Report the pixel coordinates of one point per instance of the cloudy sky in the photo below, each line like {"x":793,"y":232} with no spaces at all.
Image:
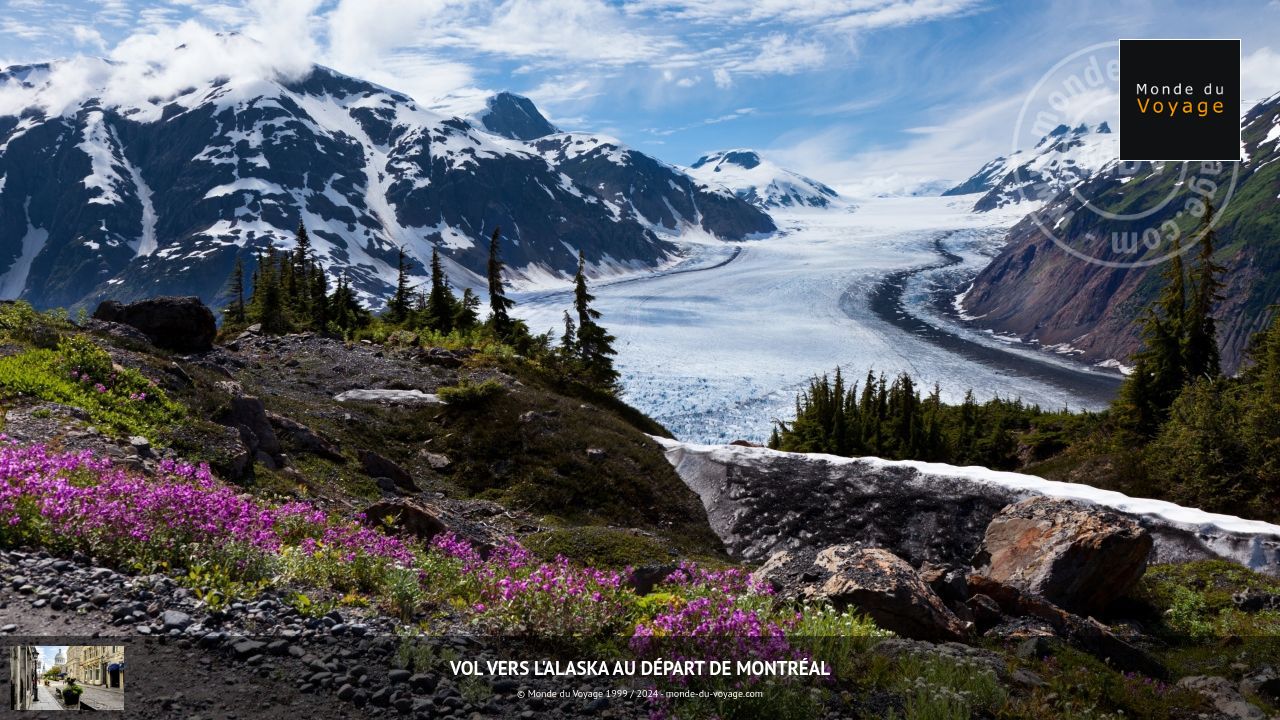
{"x":869,"y":95}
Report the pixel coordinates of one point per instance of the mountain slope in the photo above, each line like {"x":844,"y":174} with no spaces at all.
{"x":1037,"y":291}
{"x":760,"y":182}
{"x":126,"y":199}
{"x":1061,"y":159}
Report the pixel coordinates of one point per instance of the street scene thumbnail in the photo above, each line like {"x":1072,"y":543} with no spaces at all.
{"x":66,"y":677}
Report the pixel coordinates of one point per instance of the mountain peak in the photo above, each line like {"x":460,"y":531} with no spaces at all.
{"x":756,"y":180}
{"x":516,"y":117}
{"x":745,"y":159}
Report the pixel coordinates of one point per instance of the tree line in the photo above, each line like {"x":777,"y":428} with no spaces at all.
{"x":289,"y":292}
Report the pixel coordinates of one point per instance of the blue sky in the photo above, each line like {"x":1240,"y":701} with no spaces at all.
{"x":869,"y":95}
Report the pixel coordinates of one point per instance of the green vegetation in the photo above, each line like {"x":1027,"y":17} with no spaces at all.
{"x":81,"y":374}
{"x":470,"y":395}
{"x":599,"y":546}
{"x":893,"y":420}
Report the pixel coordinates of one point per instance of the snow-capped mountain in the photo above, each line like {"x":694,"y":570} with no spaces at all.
{"x":124,"y":197}
{"x":1063,"y":158}
{"x":761,"y":182}
{"x":514,"y":116}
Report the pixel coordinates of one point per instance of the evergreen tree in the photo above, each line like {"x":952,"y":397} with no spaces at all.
{"x":499,"y":304}
{"x":269,"y":308}
{"x":595,"y":344}
{"x":319,"y":301}
{"x":399,"y":305}
{"x":345,"y":310}
{"x":1201,"y":355}
{"x":467,"y":315}
{"x":299,"y":273}
{"x":1149,"y":394}
{"x":569,"y":340}
{"x":236,"y":313}
{"x":441,"y":305}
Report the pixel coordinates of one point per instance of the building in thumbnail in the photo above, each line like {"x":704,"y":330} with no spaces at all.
{"x":24,"y":676}
{"x":101,"y":665}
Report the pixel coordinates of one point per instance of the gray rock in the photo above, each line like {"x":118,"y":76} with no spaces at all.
{"x":872,"y":580}
{"x":394,"y":397}
{"x":175,"y":620}
{"x":1224,"y":696}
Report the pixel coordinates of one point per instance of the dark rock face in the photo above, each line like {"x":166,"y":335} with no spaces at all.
{"x":1080,"y":557}
{"x":872,"y":580}
{"x":761,"y":501}
{"x":635,"y":184}
{"x":181,"y":324}
{"x":1085,"y":633}
{"x":515,"y":116}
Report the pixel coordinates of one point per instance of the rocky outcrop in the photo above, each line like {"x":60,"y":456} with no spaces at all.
{"x":761,"y":501}
{"x":873,"y":581}
{"x":1085,"y":633}
{"x":377,"y":466}
{"x":1224,"y":697}
{"x":181,"y":324}
{"x":1077,"y":556}
{"x":407,"y":517}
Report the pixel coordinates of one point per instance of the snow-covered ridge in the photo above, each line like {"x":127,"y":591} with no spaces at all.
{"x":1060,"y":160}
{"x":755,"y":179}
{"x":728,"y":477}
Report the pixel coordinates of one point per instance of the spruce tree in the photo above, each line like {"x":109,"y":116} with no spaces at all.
{"x":236,"y":313}
{"x":441,"y":305}
{"x":569,"y":340}
{"x":1149,"y":393}
{"x":319,"y":300}
{"x":271,"y":306}
{"x":399,"y":305}
{"x":499,"y":304}
{"x":467,"y":316}
{"x":1201,"y":355}
{"x":595,"y":344}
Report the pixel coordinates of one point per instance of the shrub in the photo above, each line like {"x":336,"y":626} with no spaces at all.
{"x":467,"y":394}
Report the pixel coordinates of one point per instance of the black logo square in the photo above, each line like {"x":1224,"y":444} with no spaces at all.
{"x":1180,"y":100}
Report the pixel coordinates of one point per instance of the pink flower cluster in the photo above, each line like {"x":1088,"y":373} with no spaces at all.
{"x":80,"y":499}
{"x":729,"y":581}
{"x":517,"y":594}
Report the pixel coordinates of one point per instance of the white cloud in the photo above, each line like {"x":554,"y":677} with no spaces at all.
{"x":89,"y":37}
{"x":782,"y":55}
{"x":1259,"y":76}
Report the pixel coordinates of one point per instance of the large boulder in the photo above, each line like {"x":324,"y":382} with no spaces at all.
{"x":1078,"y":556}
{"x":249,"y":416}
{"x":181,"y":324}
{"x":377,"y":466}
{"x":871,"y":580}
{"x":406,"y":516}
